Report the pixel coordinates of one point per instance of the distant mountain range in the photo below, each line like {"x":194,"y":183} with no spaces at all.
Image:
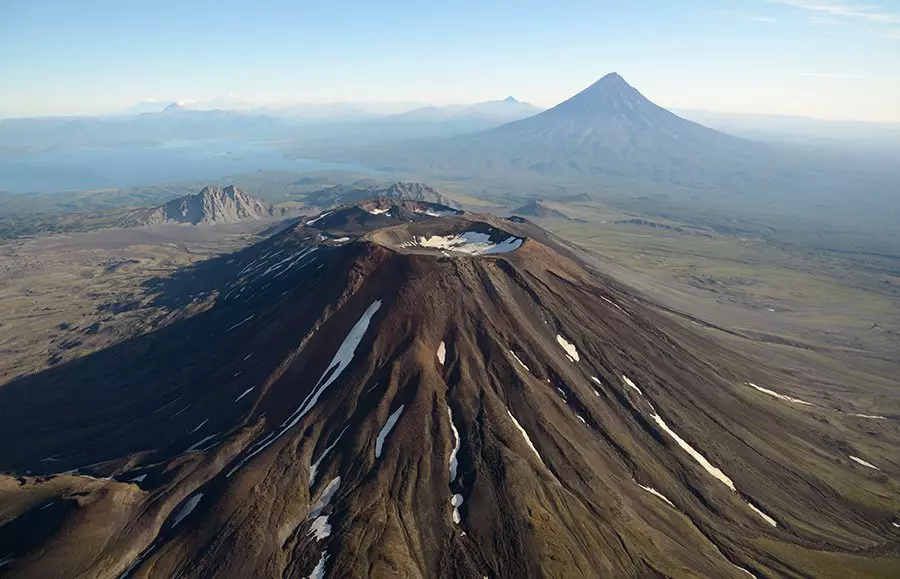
{"x":485,"y":113}
{"x":210,"y":206}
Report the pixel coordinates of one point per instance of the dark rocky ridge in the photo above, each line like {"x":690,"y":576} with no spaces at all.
{"x":229,"y":435}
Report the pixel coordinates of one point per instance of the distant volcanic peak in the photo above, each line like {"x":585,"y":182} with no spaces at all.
{"x":510,"y":100}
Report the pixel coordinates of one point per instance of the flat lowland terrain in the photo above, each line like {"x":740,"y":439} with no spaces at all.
{"x":833,"y":320}
{"x":63,"y":296}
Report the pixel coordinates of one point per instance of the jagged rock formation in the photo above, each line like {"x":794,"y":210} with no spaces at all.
{"x":341,"y":194}
{"x":210,"y":206}
{"x":456,"y":396}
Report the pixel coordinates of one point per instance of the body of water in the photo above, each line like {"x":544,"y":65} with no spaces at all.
{"x":75,"y":169}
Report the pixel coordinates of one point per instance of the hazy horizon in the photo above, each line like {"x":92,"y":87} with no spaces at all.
{"x":824,"y":59}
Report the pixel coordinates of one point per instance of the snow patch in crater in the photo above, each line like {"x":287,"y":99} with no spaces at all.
{"x":470,"y":242}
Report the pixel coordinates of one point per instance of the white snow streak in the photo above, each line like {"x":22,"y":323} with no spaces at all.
{"x":765,"y":517}
{"x":435,"y":212}
{"x":200,"y":443}
{"x":187,"y":508}
{"x":319,"y":571}
{"x":244,"y":393}
{"x":442,"y":353}
{"x":779,"y":396}
{"x":314,"y":467}
{"x":864,"y":463}
{"x":521,"y":363}
{"x":524,"y":435}
{"x":341,"y":240}
{"x":7,"y":560}
{"x":386,"y":429}
{"x":330,"y":490}
{"x":872,"y":416}
{"x":614,"y":304}
{"x":339,"y":363}
{"x":377,"y":211}
{"x":454,"y":463}
{"x":569,"y":347}
{"x":199,"y":426}
{"x":581,"y":418}
{"x":632,"y":384}
{"x":657,"y":493}
{"x":244,"y":321}
{"x":322,"y":216}
{"x":139,"y":478}
{"x":320,"y":528}
{"x":718,"y":474}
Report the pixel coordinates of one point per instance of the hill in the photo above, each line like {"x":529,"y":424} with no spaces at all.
{"x":210,"y":206}
{"x":341,"y":194}
{"x":543,"y":209}
{"x":454,"y":396}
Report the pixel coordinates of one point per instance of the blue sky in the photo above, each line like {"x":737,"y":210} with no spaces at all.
{"x":823,"y":58}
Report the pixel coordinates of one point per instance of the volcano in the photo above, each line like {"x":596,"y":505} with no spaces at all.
{"x":396,"y":388}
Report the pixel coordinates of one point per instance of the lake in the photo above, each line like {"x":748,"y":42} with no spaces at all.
{"x":83,"y":168}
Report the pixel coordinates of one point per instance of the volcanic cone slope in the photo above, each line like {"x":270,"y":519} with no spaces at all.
{"x":456,"y":396}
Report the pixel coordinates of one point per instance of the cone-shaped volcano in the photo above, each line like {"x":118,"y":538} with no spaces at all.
{"x":395,"y":389}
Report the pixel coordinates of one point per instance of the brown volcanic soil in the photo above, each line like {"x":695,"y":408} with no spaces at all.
{"x":321,"y":352}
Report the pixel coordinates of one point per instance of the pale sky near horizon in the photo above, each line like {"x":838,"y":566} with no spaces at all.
{"x":832,"y":59}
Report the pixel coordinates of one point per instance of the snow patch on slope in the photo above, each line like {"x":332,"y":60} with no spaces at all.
{"x":386,"y":429}
{"x":320,"y":528}
{"x":442,"y":353}
{"x":764,"y":516}
{"x":569,"y":347}
{"x":322,"y":216}
{"x":521,"y":363}
{"x":779,"y":396}
{"x":657,"y":493}
{"x":314,"y":467}
{"x":330,"y":490}
{"x":187,"y":509}
{"x":319,"y":571}
{"x":632,"y":384}
{"x":454,"y":463}
{"x":457,"y":502}
{"x":339,"y":363}
{"x":524,"y":435}
{"x":715,"y":472}
{"x":862,"y":462}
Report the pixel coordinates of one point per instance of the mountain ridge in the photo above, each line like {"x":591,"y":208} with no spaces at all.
{"x":210,"y":206}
